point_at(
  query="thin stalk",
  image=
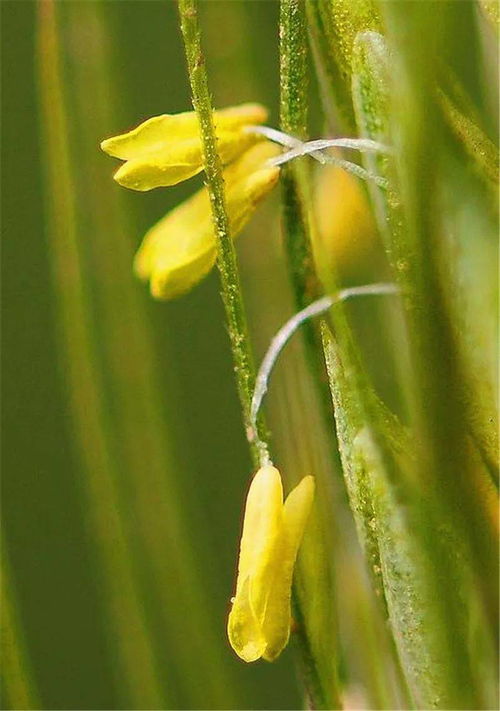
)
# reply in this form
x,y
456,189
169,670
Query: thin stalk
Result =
x,y
16,672
226,255
293,121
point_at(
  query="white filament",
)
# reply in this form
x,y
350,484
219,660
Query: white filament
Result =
x,y
315,150
288,329
364,145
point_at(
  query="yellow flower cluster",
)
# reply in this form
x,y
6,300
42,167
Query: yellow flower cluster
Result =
x,y
260,618
164,150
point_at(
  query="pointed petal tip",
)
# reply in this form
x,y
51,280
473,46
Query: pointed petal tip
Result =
x,y
104,145
268,472
306,485
128,176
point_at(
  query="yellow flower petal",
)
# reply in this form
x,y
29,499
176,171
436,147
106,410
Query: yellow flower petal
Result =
x,y
262,520
276,623
181,248
165,150
244,631
261,527
259,621
152,135
176,162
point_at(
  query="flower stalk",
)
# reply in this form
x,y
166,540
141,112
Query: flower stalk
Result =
x,y
226,255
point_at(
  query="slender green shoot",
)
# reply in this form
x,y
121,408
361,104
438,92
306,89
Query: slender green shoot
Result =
x,y
293,121
226,255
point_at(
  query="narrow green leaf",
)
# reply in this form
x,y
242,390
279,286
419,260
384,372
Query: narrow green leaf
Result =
x,y
348,20
371,99
439,414
335,92
395,522
479,147
293,120
333,27
450,405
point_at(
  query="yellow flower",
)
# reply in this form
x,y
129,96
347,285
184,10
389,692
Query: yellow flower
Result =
x,y
164,150
181,248
260,618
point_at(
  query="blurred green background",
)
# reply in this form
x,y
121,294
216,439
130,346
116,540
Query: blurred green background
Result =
x,y
125,465
121,62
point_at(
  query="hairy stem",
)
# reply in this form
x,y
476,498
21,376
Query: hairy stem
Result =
x,y
226,255
293,120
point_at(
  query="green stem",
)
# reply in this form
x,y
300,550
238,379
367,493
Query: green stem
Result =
x,y
293,120
226,255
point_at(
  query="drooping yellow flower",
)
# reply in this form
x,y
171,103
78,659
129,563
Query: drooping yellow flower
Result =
x,y
164,150
181,249
260,618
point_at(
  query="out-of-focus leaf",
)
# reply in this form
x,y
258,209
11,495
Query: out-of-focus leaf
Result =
x,y
492,11
134,654
475,142
333,27
395,521
428,179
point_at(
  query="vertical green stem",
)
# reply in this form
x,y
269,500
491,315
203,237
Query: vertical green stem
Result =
x,y
226,255
293,120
